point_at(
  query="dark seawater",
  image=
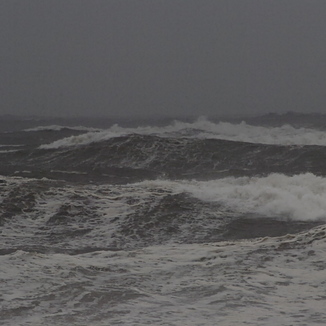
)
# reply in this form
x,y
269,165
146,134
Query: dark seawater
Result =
x,y
160,222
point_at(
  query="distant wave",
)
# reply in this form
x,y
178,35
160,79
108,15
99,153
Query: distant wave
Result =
x,y
59,128
204,129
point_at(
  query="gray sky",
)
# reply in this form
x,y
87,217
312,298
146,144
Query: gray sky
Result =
x,y
131,57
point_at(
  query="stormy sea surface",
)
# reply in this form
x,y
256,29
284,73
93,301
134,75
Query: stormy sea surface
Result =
x,y
185,222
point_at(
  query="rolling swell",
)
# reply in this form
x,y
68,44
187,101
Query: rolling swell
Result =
x,y
137,157
74,219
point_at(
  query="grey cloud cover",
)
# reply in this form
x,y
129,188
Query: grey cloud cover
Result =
x,y
162,57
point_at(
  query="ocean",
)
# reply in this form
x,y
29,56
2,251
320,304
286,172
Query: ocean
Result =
x,y
183,222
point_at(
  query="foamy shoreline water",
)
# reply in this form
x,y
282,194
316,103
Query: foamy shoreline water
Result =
x,y
228,283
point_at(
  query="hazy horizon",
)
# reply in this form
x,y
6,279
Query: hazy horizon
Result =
x,y
163,116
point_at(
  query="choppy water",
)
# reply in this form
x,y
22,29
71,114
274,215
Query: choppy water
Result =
x,y
188,223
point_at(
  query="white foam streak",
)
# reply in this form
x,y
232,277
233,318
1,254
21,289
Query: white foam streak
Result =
x,y
8,151
204,129
300,197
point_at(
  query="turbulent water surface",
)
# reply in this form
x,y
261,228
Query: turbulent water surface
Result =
x,y
183,223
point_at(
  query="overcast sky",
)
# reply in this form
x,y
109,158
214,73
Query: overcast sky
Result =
x,y
173,57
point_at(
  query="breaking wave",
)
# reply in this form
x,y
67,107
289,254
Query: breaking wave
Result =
x,y
298,197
